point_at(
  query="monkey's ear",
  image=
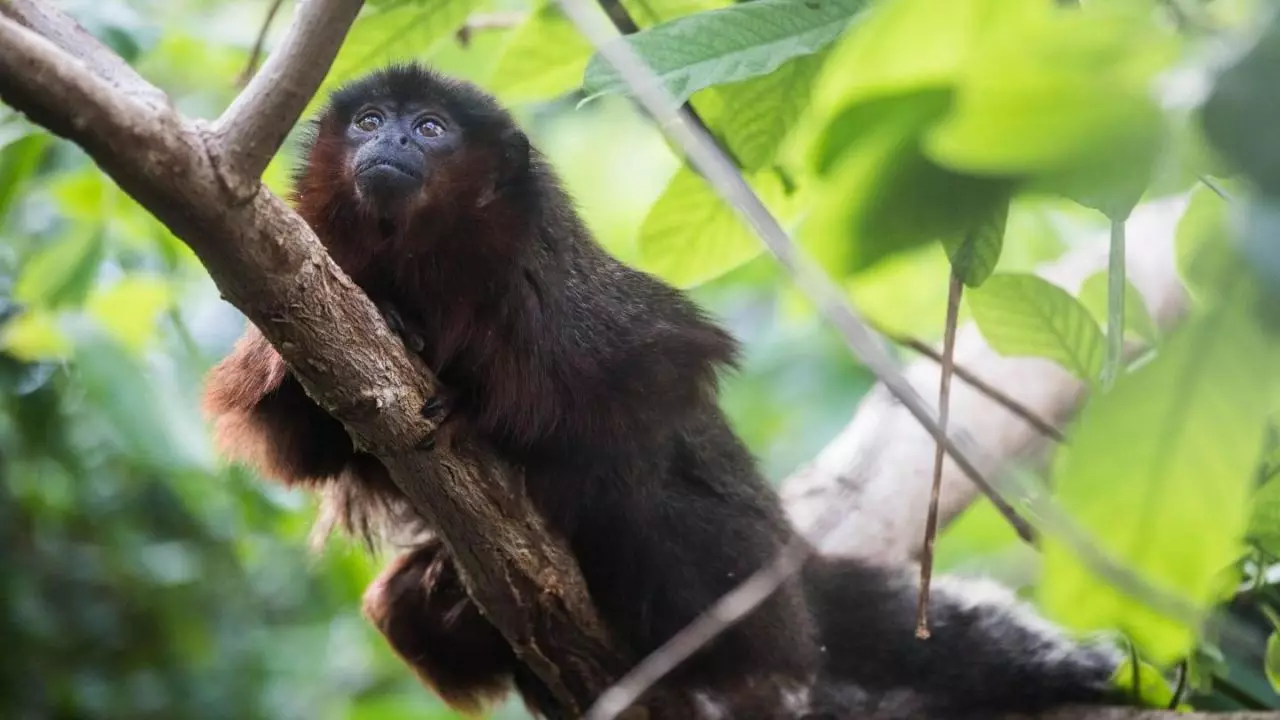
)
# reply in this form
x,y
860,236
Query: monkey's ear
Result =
x,y
512,164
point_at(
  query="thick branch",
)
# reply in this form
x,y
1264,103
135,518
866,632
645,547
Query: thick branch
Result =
x,y
880,465
250,131
74,40
269,264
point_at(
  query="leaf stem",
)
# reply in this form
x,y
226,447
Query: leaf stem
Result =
x,y
1115,307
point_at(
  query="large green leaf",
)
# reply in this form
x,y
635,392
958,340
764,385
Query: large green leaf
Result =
x,y
394,31
1063,99
1093,295
1028,315
884,197
755,116
1158,474
691,236
728,45
544,58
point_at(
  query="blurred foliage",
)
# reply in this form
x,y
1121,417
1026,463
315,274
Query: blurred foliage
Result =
x,y
901,140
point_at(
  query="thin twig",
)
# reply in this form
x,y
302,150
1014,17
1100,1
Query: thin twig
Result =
x,y
970,378
944,408
1215,187
1116,285
251,66
252,129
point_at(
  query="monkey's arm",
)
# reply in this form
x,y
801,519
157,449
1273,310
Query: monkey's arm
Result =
x,y
988,653
263,417
422,609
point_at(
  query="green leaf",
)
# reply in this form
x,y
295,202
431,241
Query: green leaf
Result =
x,y
898,47
1063,100
691,236
754,116
1093,295
647,13
1028,315
1158,474
393,32
544,58
727,45
62,273
1264,519
130,309
1271,663
974,255
1243,110
18,161
34,336
1203,246
883,197
1151,690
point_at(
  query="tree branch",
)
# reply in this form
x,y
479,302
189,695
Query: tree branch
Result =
x,y
250,131
268,263
74,40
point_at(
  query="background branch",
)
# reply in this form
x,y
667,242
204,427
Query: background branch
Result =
x,y
268,263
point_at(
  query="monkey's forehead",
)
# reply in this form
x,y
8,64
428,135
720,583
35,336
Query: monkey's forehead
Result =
x,y
411,86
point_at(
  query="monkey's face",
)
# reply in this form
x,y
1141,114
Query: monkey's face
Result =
x,y
393,149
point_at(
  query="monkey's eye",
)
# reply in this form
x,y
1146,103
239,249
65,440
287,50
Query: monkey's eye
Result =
x,y
429,127
369,121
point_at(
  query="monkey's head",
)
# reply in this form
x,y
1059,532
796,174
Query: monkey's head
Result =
x,y
405,141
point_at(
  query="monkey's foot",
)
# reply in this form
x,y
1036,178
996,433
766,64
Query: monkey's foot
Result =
x,y
412,340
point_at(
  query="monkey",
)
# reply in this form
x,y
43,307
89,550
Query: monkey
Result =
x,y
600,383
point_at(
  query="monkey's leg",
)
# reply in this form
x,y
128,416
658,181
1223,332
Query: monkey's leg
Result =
x,y
420,605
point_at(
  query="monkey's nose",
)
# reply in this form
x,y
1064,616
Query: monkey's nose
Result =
x,y
403,140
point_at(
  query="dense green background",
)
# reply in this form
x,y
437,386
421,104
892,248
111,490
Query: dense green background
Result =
x,y
142,578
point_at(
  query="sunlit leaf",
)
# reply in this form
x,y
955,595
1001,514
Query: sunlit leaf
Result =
x,y
690,236
130,308
727,45
1172,448
61,273
1264,519
544,58
898,47
1203,244
1151,691
754,116
975,253
884,197
647,13
1064,100
1029,316
1093,295
34,335
393,33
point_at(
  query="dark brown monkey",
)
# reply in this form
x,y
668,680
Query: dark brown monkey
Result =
x,y
599,381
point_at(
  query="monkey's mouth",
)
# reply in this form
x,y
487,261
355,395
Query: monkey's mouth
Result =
x,y
388,166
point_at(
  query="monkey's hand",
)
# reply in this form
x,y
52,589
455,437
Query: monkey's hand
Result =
x,y
412,340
